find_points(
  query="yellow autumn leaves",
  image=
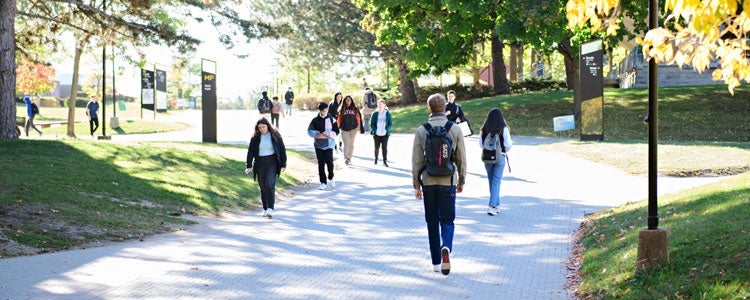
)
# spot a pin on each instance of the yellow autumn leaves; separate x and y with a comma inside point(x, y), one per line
point(703, 31)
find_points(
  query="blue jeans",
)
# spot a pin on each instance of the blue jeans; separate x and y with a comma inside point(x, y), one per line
point(494, 175)
point(439, 212)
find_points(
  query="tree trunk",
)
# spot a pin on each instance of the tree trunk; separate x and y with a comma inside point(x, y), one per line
point(8, 70)
point(74, 88)
point(513, 62)
point(475, 70)
point(405, 85)
point(499, 76)
point(519, 60)
point(458, 76)
point(571, 72)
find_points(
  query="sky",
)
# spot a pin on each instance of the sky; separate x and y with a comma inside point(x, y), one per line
point(235, 76)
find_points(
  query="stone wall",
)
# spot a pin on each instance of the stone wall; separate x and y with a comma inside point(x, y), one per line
point(669, 75)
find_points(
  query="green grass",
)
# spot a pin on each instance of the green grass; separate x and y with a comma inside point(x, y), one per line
point(709, 257)
point(60, 194)
point(126, 127)
point(704, 113)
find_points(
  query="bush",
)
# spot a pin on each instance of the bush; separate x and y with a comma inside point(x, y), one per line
point(537, 85)
point(462, 92)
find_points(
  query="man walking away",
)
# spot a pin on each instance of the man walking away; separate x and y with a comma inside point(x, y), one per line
point(438, 154)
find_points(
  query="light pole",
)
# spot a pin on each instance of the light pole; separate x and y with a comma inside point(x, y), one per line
point(104, 80)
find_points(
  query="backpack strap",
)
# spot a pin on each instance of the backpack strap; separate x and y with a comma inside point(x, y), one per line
point(427, 127)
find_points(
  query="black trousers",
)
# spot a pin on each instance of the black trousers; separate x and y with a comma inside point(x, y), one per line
point(275, 120)
point(92, 122)
point(325, 159)
point(381, 142)
point(267, 166)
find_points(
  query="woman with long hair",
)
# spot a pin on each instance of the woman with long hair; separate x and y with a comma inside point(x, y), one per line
point(266, 158)
point(349, 121)
point(495, 133)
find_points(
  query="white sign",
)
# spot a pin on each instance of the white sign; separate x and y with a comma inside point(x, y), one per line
point(563, 123)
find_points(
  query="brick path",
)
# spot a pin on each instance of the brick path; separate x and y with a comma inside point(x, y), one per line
point(365, 240)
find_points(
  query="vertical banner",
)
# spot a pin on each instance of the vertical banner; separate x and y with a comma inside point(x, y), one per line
point(208, 98)
point(160, 77)
point(592, 93)
point(147, 89)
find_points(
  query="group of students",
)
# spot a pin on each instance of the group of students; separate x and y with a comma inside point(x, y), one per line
point(32, 110)
point(266, 159)
point(275, 109)
point(343, 118)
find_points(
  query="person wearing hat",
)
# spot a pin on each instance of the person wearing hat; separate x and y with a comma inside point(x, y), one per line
point(31, 112)
point(323, 129)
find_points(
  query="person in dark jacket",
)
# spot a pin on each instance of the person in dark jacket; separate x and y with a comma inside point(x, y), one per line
point(323, 129)
point(350, 122)
point(454, 112)
point(289, 98)
point(264, 106)
point(333, 110)
point(266, 158)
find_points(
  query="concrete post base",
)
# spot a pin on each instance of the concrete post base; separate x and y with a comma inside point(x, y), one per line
point(653, 249)
point(114, 122)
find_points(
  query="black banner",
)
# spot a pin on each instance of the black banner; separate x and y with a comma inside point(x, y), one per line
point(592, 93)
point(208, 95)
point(147, 89)
point(161, 90)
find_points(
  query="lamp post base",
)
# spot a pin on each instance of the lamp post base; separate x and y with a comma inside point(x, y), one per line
point(653, 248)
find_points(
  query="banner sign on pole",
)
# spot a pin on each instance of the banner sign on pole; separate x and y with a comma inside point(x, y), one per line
point(161, 90)
point(208, 98)
point(147, 89)
point(592, 93)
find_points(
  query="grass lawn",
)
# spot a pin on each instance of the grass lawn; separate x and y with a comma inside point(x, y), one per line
point(60, 194)
point(130, 121)
point(709, 257)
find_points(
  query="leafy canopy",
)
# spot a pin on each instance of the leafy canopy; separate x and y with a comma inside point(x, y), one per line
point(694, 32)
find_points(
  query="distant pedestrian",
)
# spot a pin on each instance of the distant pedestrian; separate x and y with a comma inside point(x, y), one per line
point(266, 158)
point(31, 111)
point(438, 192)
point(350, 122)
point(264, 106)
point(369, 104)
point(289, 99)
point(364, 83)
point(380, 128)
point(333, 110)
point(495, 136)
point(323, 129)
point(92, 109)
point(455, 113)
point(276, 108)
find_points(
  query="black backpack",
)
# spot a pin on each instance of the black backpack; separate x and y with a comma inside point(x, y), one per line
point(34, 108)
point(372, 100)
point(438, 151)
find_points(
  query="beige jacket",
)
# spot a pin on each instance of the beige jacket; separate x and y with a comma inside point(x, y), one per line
point(418, 157)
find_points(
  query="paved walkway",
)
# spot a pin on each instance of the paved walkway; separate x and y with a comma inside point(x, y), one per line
point(367, 239)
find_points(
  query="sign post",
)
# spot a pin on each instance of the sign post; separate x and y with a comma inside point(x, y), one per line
point(208, 96)
point(591, 85)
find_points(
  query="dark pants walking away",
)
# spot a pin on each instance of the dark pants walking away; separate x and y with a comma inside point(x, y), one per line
point(92, 122)
point(30, 124)
point(381, 142)
point(275, 120)
point(439, 212)
point(267, 166)
point(325, 159)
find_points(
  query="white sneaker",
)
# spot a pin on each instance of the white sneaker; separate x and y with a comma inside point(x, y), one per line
point(265, 213)
point(497, 209)
point(269, 213)
point(436, 268)
point(492, 211)
point(331, 184)
point(322, 186)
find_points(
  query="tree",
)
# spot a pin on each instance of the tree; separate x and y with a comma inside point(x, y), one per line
point(137, 22)
point(693, 33)
point(439, 35)
point(34, 78)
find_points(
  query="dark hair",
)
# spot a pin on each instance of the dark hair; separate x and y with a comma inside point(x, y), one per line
point(336, 94)
point(352, 106)
point(274, 133)
point(495, 123)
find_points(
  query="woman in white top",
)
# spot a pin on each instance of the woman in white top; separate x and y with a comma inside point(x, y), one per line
point(496, 133)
